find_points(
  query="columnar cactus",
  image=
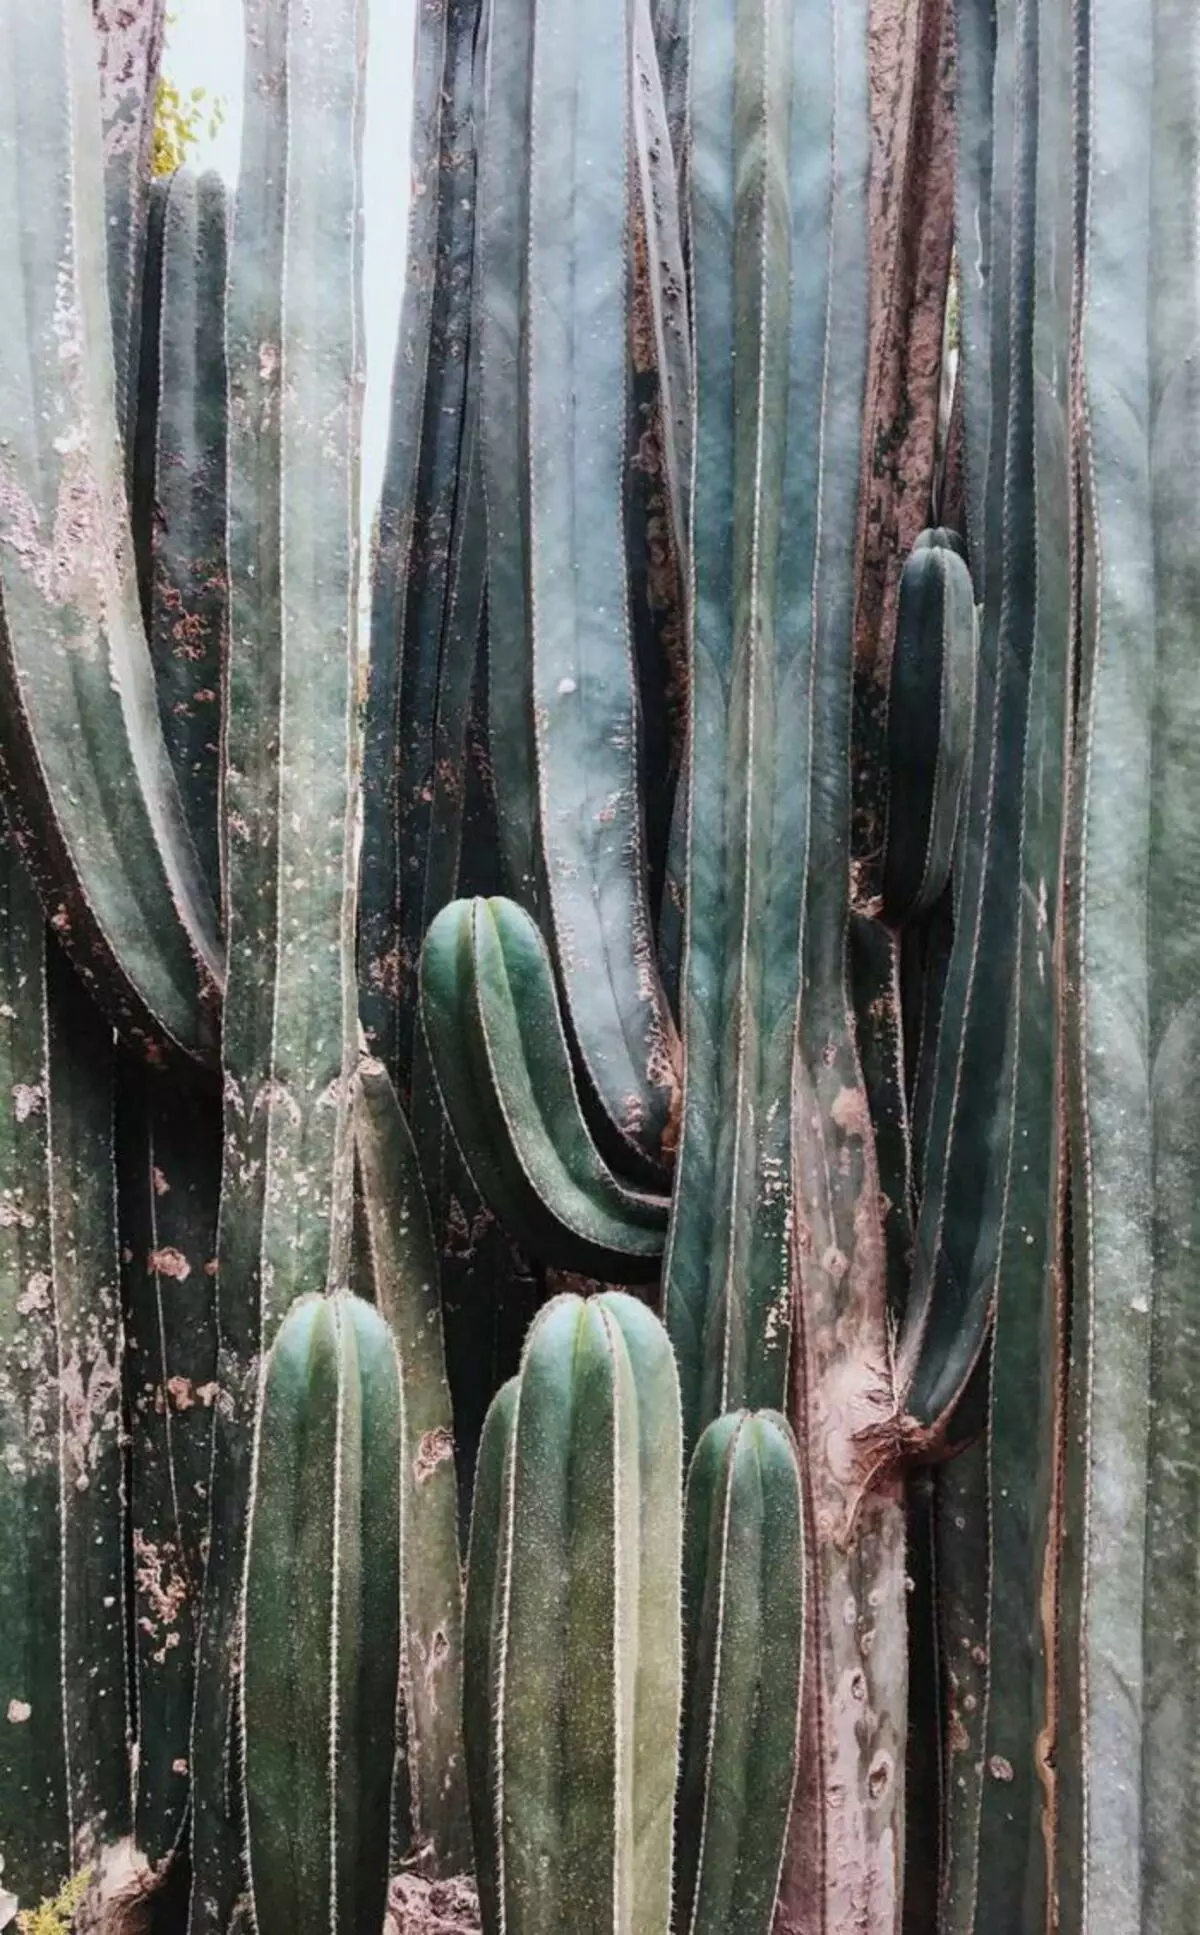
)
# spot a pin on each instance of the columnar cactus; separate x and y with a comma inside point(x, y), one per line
point(572, 1719)
point(321, 1646)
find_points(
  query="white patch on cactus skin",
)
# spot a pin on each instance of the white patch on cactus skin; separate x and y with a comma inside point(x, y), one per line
point(19, 1712)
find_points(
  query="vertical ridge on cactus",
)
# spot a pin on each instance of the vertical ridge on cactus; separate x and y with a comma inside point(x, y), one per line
point(294, 345)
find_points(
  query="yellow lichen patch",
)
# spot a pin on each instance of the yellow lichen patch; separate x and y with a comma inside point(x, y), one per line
point(55, 1917)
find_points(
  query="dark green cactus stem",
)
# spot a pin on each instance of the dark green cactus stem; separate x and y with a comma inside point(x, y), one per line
point(420, 532)
point(502, 312)
point(64, 1712)
point(168, 1179)
point(583, 1586)
point(491, 1018)
point(743, 1595)
point(289, 1046)
point(760, 144)
point(404, 1282)
point(484, 1560)
point(95, 807)
point(931, 707)
point(180, 487)
point(319, 1677)
point(583, 689)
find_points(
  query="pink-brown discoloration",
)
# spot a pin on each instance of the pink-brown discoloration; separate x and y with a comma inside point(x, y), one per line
point(90, 1394)
point(433, 1451)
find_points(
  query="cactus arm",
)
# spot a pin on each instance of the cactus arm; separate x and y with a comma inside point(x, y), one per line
point(480, 1660)
point(931, 706)
point(130, 49)
point(168, 1178)
point(294, 347)
point(504, 1069)
point(413, 563)
point(586, 1697)
point(1172, 1818)
point(503, 215)
point(180, 487)
point(35, 1835)
point(744, 1594)
point(963, 1213)
point(1015, 1866)
point(584, 692)
point(974, 69)
point(100, 819)
point(404, 1274)
point(319, 1679)
point(87, 1312)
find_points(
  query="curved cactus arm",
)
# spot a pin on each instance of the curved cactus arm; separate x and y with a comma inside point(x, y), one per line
point(744, 1606)
point(179, 487)
point(130, 48)
point(491, 1018)
point(99, 817)
point(586, 1629)
point(289, 1044)
point(931, 710)
point(584, 691)
point(404, 1280)
point(481, 1627)
point(168, 1181)
point(419, 515)
point(322, 1620)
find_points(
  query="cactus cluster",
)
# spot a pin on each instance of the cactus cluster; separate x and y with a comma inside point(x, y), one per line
point(597, 1185)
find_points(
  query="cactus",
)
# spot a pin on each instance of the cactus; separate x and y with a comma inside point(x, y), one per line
point(491, 1018)
point(404, 1282)
point(289, 1041)
point(93, 801)
point(319, 1675)
point(180, 485)
point(578, 1592)
point(744, 1659)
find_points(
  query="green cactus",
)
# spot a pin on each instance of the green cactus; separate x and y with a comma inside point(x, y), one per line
point(289, 726)
point(491, 1018)
point(404, 1283)
point(320, 1652)
point(743, 1672)
point(572, 1721)
point(930, 716)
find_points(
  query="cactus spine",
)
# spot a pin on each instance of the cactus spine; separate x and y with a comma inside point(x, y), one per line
point(321, 1647)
